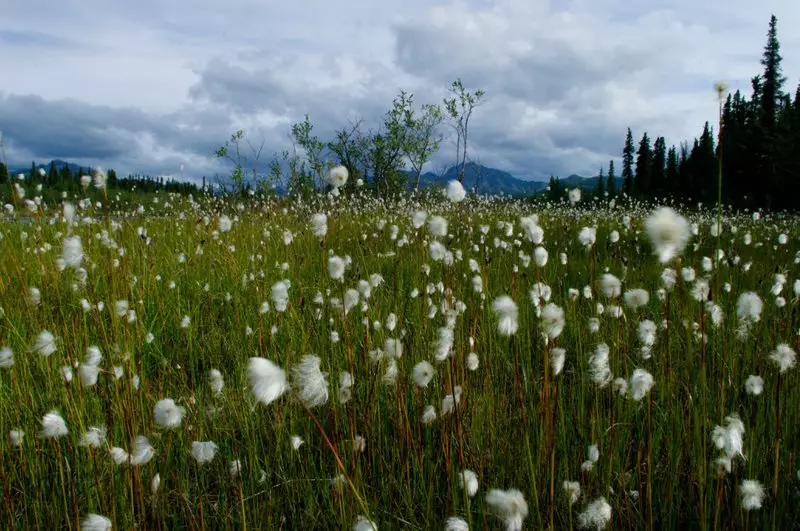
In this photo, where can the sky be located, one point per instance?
(152, 86)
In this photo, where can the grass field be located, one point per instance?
(671, 408)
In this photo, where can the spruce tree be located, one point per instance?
(601, 187)
(772, 79)
(658, 163)
(642, 179)
(52, 175)
(612, 184)
(627, 164)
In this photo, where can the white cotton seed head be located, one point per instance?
(783, 357)
(596, 515)
(204, 452)
(455, 191)
(509, 505)
(506, 311)
(468, 481)
(45, 343)
(167, 414)
(641, 383)
(752, 493)
(267, 380)
(668, 232)
(310, 382)
(53, 426)
(552, 320)
(423, 373)
(96, 522)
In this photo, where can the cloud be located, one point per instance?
(152, 85)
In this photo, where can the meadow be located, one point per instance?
(429, 361)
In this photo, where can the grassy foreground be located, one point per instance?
(167, 297)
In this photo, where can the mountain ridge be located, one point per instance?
(489, 181)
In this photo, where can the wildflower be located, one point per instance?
(669, 277)
(364, 524)
(167, 414)
(204, 452)
(748, 307)
(99, 178)
(296, 442)
(280, 295)
(45, 343)
(454, 523)
(310, 382)
(96, 522)
(507, 312)
(143, 452)
(597, 515)
(574, 195)
(225, 224)
(428, 414)
(450, 401)
(216, 381)
(557, 358)
(468, 481)
(573, 490)
(185, 322)
(336, 268)
(337, 176)
(552, 320)
(418, 218)
(94, 437)
(530, 227)
(593, 455)
(599, 369)
(640, 384)
(610, 286)
(752, 493)
(783, 357)
(319, 225)
(444, 343)
(234, 468)
(437, 226)
(53, 426)
(587, 236)
(509, 506)
(423, 373)
(754, 385)
(730, 437)
(15, 437)
(6, 358)
(455, 191)
(540, 256)
(668, 232)
(155, 483)
(267, 380)
(636, 298)
(345, 387)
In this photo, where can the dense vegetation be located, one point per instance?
(432, 365)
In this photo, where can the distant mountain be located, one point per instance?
(74, 168)
(495, 182)
(490, 181)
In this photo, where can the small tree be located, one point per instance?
(459, 108)
(424, 138)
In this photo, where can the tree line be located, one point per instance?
(64, 179)
(388, 158)
(756, 150)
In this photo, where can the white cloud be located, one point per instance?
(147, 86)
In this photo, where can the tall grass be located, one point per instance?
(517, 424)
